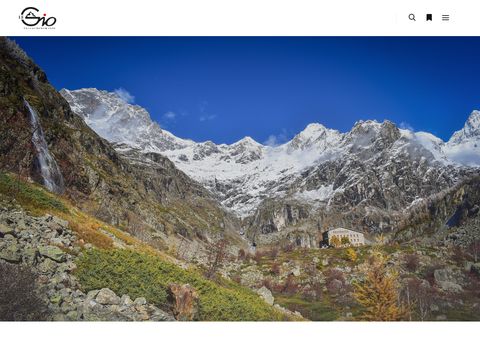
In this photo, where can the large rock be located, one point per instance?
(11, 253)
(4, 230)
(447, 280)
(107, 297)
(47, 266)
(185, 302)
(266, 295)
(251, 277)
(105, 305)
(61, 222)
(52, 252)
(475, 268)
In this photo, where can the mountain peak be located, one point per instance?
(473, 122)
(247, 140)
(471, 129)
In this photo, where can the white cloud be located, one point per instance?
(169, 118)
(275, 140)
(466, 154)
(169, 115)
(206, 117)
(406, 126)
(125, 95)
(204, 114)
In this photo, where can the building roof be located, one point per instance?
(344, 229)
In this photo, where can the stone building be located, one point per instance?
(341, 237)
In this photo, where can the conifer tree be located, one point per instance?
(378, 293)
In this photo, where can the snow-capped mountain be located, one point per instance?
(464, 145)
(373, 164)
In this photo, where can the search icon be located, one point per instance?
(411, 17)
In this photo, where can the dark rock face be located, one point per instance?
(449, 208)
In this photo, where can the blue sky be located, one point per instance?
(223, 89)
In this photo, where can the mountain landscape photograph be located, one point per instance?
(239, 179)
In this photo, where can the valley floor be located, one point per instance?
(431, 282)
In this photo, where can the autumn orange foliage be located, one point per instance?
(378, 293)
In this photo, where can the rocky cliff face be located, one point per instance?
(145, 194)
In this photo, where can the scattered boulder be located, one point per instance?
(105, 305)
(296, 271)
(447, 280)
(52, 252)
(11, 253)
(266, 295)
(125, 300)
(140, 301)
(468, 266)
(185, 302)
(5, 230)
(251, 277)
(47, 266)
(107, 297)
(475, 268)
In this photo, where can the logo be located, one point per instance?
(32, 17)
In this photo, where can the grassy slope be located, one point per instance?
(140, 270)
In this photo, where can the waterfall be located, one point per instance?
(51, 175)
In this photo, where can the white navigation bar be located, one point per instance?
(235, 17)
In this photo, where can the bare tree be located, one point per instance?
(420, 296)
(475, 249)
(217, 255)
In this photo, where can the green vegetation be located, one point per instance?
(31, 197)
(318, 310)
(141, 274)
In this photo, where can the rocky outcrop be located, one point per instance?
(47, 247)
(451, 208)
(266, 295)
(105, 305)
(448, 279)
(185, 302)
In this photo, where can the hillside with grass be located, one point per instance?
(107, 257)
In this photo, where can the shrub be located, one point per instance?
(241, 255)
(459, 255)
(335, 241)
(352, 255)
(337, 287)
(291, 286)
(412, 261)
(139, 274)
(345, 241)
(288, 247)
(18, 299)
(272, 253)
(275, 268)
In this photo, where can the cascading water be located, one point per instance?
(51, 175)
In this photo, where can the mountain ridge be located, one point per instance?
(245, 173)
